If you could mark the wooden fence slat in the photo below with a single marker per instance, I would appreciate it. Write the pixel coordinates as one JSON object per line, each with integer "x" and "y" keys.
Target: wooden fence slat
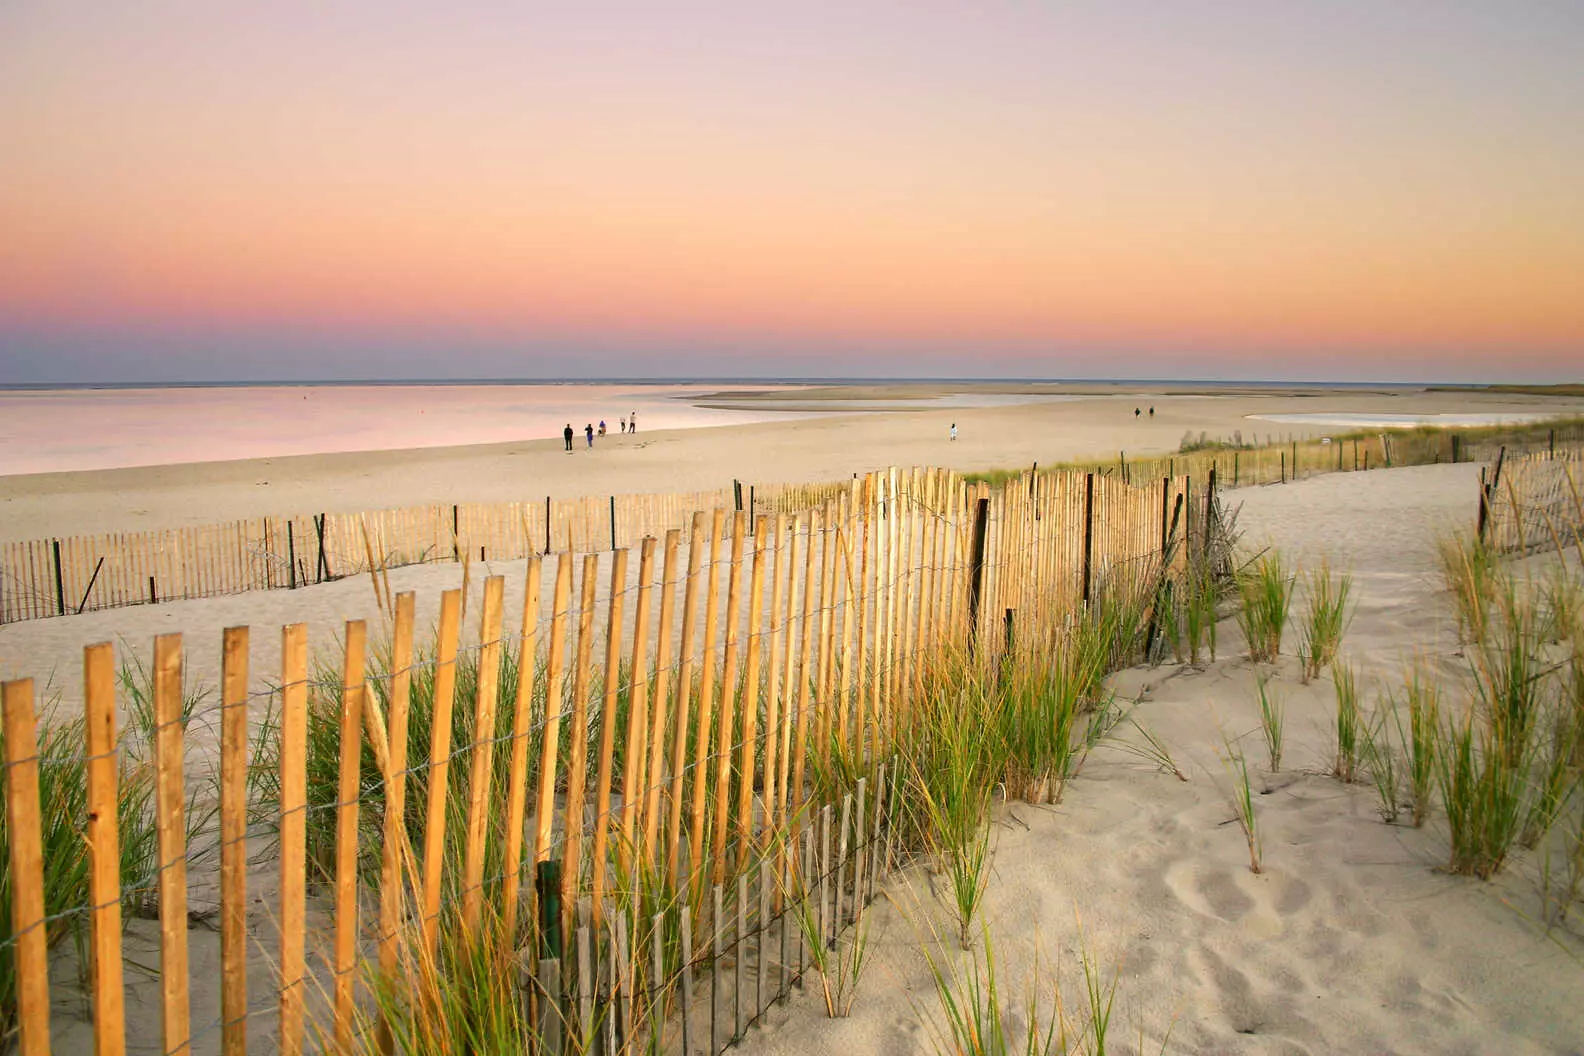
{"x": 608, "y": 723}
{"x": 396, "y": 848}
{"x": 233, "y": 841}
{"x": 522, "y": 724}
{"x": 438, "y": 777}
{"x": 346, "y": 845}
{"x": 636, "y": 756}
{"x": 657, "y": 718}
{"x": 104, "y": 850}
{"x": 171, "y": 826}
{"x": 31, "y": 945}
{"x": 577, "y": 746}
{"x": 726, "y": 724}
{"x": 555, "y": 676}
{"x": 750, "y": 696}
{"x": 293, "y": 833}
{"x": 684, "y": 693}
{"x": 703, "y": 726}
{"x": 483, "y": 749}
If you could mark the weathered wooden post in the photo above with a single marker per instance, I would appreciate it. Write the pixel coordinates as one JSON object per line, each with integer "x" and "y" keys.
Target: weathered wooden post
{"x": 976, "y": 570}
{"x": 1209, "y": 517}
{"x": 1165, "y": 505}
{"x": 60, "y": 582}
{"x": 547, "y": 524}
{"x": 548, "y": 882}
{"x": 1088, "y": 536}
{"x": 1283, "y": 455}
{"x": 456, "y": 534}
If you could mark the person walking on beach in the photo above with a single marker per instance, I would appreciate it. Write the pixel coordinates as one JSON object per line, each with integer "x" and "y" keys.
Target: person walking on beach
{"x": 602, "y": 427}
{"x": 567, "y": 433}
{"x": 954, "y": 431}
{"x": 632, "y": 422}
{"x": 624, "y": 426}
{"x": 1152, "y": 412}
{"x": 1136, "y": 412}
{"x": 588, "y": 430}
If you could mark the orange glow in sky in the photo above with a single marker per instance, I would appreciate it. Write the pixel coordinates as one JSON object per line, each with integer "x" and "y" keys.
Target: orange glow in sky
{"x": 1216, "y": 189}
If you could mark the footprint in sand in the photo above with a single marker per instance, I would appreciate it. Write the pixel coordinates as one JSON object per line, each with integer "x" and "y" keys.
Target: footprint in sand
{"x": 1213, "y": 892}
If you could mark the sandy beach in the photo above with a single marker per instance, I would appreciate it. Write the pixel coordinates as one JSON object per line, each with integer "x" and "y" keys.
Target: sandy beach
{"x": 1098, "y": 425}
{"x": 1352, "y": 940}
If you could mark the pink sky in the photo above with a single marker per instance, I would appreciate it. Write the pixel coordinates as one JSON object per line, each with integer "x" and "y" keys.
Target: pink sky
{"x": 1252, "y": 189}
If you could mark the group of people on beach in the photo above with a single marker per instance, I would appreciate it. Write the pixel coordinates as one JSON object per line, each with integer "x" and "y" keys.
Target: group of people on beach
{"x": 629, "y": 424}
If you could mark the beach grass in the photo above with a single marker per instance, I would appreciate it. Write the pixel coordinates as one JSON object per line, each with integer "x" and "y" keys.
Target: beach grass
{"x": 1470, "y": 570}
{"x": 1422, "y": 701}
{"x": 1265, "y": 589}
{"x": 1241, "y": 795}
{"x": 1345, "y": 764}
{"x": 1326, "y": 619}
{"x": 1273, "y": 721}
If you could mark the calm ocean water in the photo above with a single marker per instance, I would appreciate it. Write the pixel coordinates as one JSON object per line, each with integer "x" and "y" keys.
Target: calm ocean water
{"x": 56, "y": 430}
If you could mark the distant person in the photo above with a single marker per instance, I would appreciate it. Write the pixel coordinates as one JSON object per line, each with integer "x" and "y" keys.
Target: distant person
{"x": 1136, "y": 412}
{"x": 588, "y": 430}
{"x": 567, "y": 433}
{"x": 954, "y": 431}
{"x": 1152, "y": 412}
{"x": 602, "y": 427}
{"x": 624, "y": 425}
{"x": 632, "y": 422}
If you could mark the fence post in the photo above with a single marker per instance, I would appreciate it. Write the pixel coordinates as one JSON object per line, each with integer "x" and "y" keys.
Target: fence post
{"x": 291, "y": 553}
{"x": 1165, "y": 504}
{"x": 1088, "y": 536}
{"x": 1484, "y": 509}
{"x": 1283, "y": 455}
{"x": 737, "y": 494}
{"x": 1209, "y": 517}
{"x": 60, "y": 583}
{"x": 613, "y": 521}
{"x": 976, "y": 569}
{"x": 548, "y": 882}
{"x": 1551, "y": 444}
{"x": 456, "y": 534}
{"x": 751, "y": 505}
{"x": 1235, "y": 465}
{"x": 323, "y": 567}
{"x": 547, "y": 524}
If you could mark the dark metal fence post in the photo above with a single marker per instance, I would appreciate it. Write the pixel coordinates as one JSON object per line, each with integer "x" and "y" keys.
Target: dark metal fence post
{"x": 456, "y": 534}
{"x": 291, "y": 553}
{"x": 976, "y": 569}
{"x": 613, "y": 522}
{"x": 547, "y": 524}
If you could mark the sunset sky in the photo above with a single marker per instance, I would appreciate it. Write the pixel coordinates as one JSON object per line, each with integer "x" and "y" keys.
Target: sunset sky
{"x": 1235, "y": 189}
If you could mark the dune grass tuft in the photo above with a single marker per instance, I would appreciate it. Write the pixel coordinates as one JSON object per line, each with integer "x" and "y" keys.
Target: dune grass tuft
{"x": 1348, "y": 724}
{"x": 1273, "y": 721}
{"x": 1326, "y": 620}
{"x": 1242, "y": 798}
{"x": 1265, "y": 594}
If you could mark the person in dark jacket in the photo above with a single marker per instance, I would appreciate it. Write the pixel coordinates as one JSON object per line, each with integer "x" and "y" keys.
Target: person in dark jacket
{"x": 567, "y": 433}
{"x": 588, "y": 431}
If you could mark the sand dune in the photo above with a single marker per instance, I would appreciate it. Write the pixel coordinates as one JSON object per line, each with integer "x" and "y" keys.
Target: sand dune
{"x": 1350, "y": 941}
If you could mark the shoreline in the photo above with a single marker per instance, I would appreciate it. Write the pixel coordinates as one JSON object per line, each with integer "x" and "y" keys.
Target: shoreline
{"x": 800, "y": 450}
